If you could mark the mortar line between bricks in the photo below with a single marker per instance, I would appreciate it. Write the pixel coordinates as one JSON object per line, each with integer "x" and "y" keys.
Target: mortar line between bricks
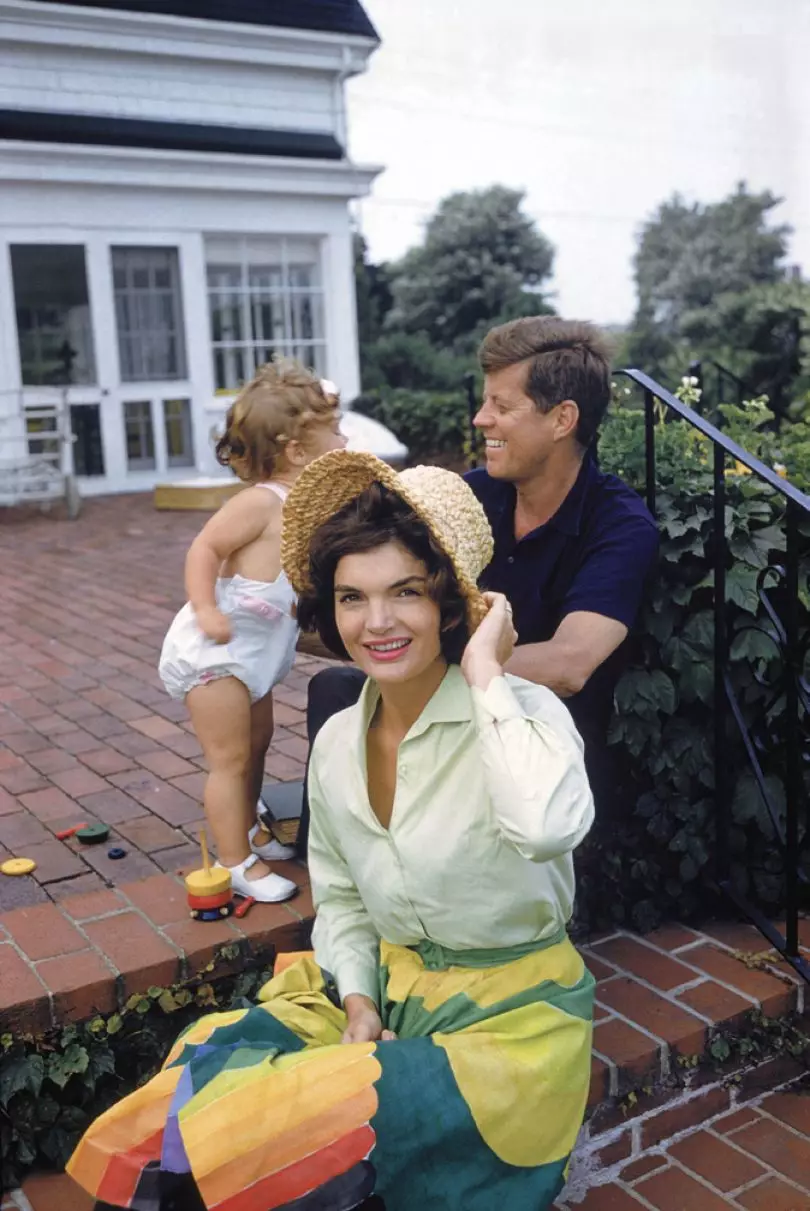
{"x": 755, "y": 1002}
{"x": 662, "y": 1044}
{"x": 613, "y": 1072}
{"x": 727, "y": 1196}
{"x": 688, "y": 986}
{"x": 772, "y": 1117}
{"x": 708, "y": 1125}
{"x": 771, "y": 970}
{"x": 636, "y": 1125}
{"x": 669, "y": 996}
{"x": 31, "y": 965}
{"x": 242, "y": 939}
{"x": 769, "y": 1173}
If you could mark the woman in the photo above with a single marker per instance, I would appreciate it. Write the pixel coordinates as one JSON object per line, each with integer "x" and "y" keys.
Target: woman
{"x": 445, "y": 807}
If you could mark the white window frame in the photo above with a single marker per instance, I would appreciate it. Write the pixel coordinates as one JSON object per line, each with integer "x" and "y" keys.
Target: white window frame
{"x": 134, "y": 296}
{"x": 311, "y": 350}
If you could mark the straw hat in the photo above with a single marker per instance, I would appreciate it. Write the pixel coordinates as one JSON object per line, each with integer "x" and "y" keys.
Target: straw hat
{"x": 442, "y": 499}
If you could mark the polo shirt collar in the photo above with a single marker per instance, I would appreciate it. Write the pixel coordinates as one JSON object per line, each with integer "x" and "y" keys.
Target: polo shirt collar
{"x": 568, "y": 518}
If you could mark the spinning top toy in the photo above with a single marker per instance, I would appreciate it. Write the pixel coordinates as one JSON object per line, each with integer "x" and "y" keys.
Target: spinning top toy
{"x": 209, "y": 889}
{"x": 88, "y": 834}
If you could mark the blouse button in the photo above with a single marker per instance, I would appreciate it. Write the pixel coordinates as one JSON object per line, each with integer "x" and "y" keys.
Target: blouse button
{"x": 511, "y": 559}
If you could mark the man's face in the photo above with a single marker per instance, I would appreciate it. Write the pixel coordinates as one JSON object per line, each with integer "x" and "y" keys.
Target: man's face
{"x": 519, "y": 437}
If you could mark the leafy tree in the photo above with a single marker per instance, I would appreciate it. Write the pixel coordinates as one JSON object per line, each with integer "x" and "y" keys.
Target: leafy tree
{"x": 373, "y": 290}
{"x": 482, "y": 260}
{"x": 711, "y": 283}
{"x": 762, "y": 335}
{"x": 409, "y": 360}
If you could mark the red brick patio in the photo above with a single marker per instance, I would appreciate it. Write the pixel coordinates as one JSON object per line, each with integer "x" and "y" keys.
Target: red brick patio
{"x": 88, "y": 734}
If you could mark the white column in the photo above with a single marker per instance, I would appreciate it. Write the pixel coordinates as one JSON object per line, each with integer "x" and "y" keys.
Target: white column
{"x": 10, "y": 378}
{"x": 105, "y": 347}
{"x": 340, "y": 310}
{"x": 200, "y": 366}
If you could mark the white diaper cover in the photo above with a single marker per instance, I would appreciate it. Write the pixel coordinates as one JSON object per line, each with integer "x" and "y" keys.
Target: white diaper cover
{"x": 261, "y": 649}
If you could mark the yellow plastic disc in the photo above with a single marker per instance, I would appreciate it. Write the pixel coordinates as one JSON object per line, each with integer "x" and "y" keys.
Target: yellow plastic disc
{"x": 18, "y": 866}
{"x": 198, "y": 883}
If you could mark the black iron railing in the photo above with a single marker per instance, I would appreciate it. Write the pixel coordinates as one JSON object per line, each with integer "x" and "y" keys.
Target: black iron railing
{"x": 718, "y": 385}
{"x": 778, "y": 589}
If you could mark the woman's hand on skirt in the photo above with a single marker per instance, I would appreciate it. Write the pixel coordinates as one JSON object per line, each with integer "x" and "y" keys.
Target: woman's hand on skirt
{"x": 365, "y": 1024}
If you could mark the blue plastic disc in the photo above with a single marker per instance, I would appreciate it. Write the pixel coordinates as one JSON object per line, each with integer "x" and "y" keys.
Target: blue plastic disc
{"x": 116, "y": 852}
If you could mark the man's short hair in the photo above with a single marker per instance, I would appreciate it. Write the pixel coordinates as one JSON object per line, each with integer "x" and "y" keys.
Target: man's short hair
{"x": 565, "y": 359}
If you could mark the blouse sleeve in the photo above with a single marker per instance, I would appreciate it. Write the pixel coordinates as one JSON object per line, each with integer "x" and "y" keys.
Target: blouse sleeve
{"x": 345, "y": 940}
{"x": 534, "y": 767}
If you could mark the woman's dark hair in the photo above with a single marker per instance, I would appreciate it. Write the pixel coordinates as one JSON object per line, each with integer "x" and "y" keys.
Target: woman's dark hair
{"x": 375, "y": 517}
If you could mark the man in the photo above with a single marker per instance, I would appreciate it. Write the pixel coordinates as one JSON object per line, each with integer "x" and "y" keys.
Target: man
{"x": 573, "y": 546}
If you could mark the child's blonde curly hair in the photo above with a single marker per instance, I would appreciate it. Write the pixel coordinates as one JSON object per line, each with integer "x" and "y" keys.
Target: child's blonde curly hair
{"x": 279, "y": 404}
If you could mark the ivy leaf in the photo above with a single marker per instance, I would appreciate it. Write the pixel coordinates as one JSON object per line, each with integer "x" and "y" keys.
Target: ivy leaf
{"x": 719, "y": 1048}
{"x": 102, "y": 1063}
{"x": 71, "y": 1062}
{"x": 21, "y": 1072}
{"x": 688, "y": 869}
{"x": 751, "y": 643}
{"x": 114, "y": 1023}
{"x": 741, "y": 589}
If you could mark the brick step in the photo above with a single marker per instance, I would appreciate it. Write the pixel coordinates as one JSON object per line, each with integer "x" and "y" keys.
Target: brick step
{"x": 88, "y": 954}
{"x": 753, "y": 1158}
{"x": 664, "y": 1003}
{"x": 667, "y": 1007}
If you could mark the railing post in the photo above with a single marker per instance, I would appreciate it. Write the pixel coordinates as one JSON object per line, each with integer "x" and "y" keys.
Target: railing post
{"x": 649, "y": 448}
{"x": 721, "y": 784}
{"x": 793, "y": 772}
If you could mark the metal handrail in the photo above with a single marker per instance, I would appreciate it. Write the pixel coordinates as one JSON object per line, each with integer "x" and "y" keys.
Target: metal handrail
{"x": 789, "y": 642}
{"x": 715, "y": 435}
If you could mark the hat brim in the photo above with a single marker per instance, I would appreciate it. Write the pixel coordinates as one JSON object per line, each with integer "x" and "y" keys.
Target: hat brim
{"x": 325, "y": 487}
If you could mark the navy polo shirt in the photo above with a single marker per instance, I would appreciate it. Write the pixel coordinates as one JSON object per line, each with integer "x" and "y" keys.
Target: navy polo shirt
{"x": 596, "y": 554}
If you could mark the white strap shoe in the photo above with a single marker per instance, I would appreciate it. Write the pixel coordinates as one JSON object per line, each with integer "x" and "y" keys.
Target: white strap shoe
{"x": 269, "y": 889}
{"x": 272, "y": 850}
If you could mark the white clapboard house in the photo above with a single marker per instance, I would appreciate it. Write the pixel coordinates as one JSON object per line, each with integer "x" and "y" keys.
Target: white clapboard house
{"x": 174, "y": 208}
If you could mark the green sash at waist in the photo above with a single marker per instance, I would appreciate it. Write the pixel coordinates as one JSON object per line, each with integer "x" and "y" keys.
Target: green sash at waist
{"x": 439, "y": 958}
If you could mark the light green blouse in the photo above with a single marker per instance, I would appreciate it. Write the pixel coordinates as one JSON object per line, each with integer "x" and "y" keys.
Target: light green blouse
{"x": 491, "y": 798}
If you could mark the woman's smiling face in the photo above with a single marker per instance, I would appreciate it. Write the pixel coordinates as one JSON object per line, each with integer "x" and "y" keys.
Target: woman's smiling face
{"x": 389, "y": 624}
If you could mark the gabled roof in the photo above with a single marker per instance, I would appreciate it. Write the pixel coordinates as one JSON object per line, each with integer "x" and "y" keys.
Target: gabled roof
{"x": 332, "y": 16}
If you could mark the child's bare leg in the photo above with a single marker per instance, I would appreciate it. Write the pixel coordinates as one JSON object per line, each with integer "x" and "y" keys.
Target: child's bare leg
{"x": 221, "y": 714}
{"x": 261, "y": 733}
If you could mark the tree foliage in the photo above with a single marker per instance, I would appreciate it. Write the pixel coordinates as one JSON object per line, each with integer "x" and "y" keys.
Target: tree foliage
{"x": 712, "y": 284}
{"x": 482, "y": 260}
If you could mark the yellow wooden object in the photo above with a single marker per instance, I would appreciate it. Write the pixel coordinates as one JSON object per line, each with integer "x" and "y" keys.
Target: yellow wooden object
{"x": 18, "y": 866}
{"x": 205, "y": 495}
{"x": 209, "y": 881}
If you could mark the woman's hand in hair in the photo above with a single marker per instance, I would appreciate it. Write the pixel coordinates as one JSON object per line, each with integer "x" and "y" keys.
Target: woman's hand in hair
{"x": 491, "y": 645}
{"x": 364, "y": 1022}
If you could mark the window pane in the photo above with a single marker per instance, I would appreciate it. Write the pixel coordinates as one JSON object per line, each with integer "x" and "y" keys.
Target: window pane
{"x": 264, "y": 299}
{"x": 149, "y": 311}
{"x": 140, "y": 436}
{"x": 88, "y": 450}
{"x": 226, "y": 317}
{"x": 177, "y": 420}
{"x": 311, "y": 356}
{"x": 53, "y": 314}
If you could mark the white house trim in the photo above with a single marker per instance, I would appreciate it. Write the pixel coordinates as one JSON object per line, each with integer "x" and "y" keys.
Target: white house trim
{"x": 131, "y": 33}
{"x": 130, "y": 167}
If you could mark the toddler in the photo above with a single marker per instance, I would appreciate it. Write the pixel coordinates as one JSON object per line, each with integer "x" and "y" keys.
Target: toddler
{"x": 235, "y": 638}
